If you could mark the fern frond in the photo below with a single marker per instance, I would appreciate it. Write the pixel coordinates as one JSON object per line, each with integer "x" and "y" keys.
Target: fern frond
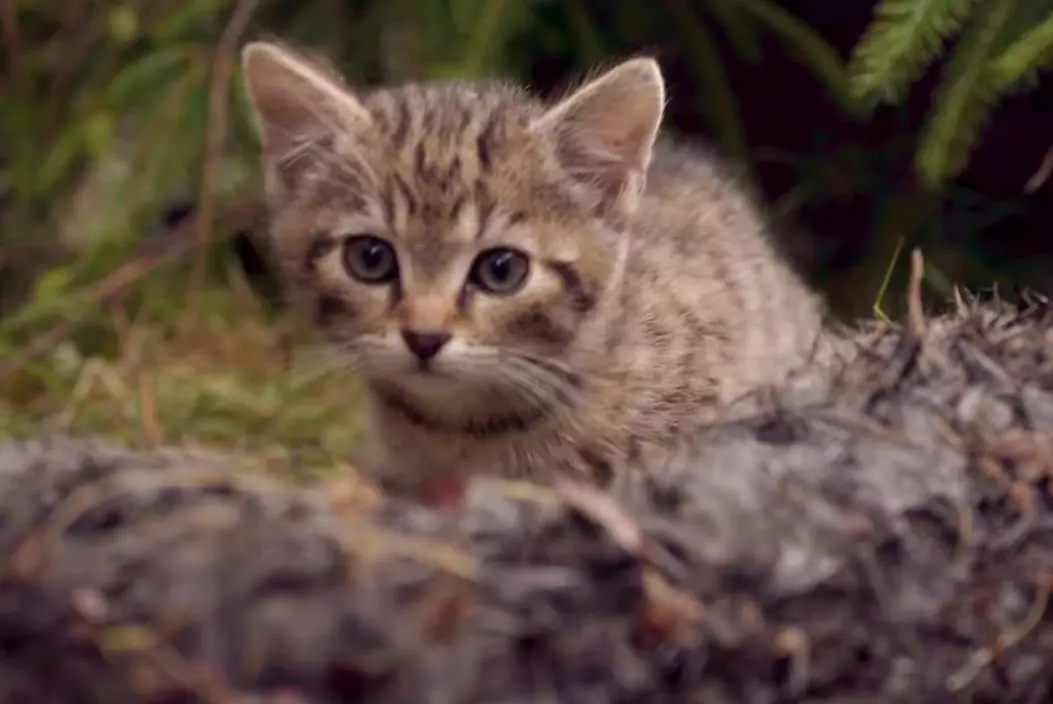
{"x": 1026, "y": 15}
{"x": 964, "y": 97}
{"x": 1024, "y": 59}
{"x": 903, "y": 38}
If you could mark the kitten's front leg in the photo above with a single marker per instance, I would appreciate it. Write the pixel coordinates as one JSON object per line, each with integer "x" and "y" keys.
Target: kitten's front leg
{"x": 405, "y": 468}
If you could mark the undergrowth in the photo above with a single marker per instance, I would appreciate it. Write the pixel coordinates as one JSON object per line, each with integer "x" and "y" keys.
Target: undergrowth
{"x": 230, "y": 378}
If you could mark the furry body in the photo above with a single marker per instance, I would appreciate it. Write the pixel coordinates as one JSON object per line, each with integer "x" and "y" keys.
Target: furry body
{"x": 651, "y": 294}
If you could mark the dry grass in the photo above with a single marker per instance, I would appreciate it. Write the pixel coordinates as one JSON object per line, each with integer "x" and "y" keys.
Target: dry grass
{"x": 228, "y": 379}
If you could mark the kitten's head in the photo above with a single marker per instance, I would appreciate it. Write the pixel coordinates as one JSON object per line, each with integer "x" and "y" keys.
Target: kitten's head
{"x": 453, "y": 239}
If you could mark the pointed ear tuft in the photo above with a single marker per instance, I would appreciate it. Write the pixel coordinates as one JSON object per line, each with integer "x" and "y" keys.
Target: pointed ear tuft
{"x": 294, "y": 102}
{"x": 604, "y": 132}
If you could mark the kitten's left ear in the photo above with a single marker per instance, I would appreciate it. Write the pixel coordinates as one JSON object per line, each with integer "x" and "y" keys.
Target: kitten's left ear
{"x": 293, "y": 101}
{"x": 604, "y": 132}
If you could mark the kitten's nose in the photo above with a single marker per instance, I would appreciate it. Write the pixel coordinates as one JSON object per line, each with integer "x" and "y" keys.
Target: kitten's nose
{"x": 425, "y": 344}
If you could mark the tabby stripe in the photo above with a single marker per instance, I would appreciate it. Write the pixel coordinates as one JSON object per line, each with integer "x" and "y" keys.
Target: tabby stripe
{"x": 321, "y": 244}
{"x": 584, "y": 300}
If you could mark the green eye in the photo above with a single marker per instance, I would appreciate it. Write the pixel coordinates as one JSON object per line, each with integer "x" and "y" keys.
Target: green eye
{"x": 500, "y": 270}
{"x": 370, "y": 259}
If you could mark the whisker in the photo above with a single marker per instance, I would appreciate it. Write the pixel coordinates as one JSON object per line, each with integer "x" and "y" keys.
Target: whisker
{"x": 557, "y": 371}
{"x": 546, "y": 382}
{"x": 539, "y": 382}
{"x": 495, "y": 370}
{"x": 525, "y": 388}
{"x": 314, "y": 361}
{"x": 560, "y": 369}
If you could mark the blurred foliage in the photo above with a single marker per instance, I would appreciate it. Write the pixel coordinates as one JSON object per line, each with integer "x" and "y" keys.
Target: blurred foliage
{"x": 110, "y": 115}
{"x": 1001, "y": 46}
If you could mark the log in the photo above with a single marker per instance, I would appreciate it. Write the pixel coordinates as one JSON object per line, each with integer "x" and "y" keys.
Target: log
{"x": 874, "y": 531}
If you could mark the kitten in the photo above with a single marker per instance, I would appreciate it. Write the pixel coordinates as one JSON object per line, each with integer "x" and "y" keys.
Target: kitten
{"x": 528, "y": 289}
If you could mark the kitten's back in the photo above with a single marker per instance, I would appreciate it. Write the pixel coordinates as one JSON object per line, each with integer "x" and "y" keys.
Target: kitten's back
{"x": 702, "y": 241}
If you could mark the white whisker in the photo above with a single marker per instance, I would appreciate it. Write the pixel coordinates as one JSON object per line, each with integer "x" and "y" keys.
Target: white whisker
{"x": 540, "y": 380}
{"x": 315, "y": 361}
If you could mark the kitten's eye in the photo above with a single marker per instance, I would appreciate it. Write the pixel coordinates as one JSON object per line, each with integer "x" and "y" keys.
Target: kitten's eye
{"x": 370, "y": 259}
{"x": 500, "y": 270}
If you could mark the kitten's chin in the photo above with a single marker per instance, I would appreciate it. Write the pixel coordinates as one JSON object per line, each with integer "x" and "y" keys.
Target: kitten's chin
{"x": 428, "y": 384}
{"x": 449, "y": 395}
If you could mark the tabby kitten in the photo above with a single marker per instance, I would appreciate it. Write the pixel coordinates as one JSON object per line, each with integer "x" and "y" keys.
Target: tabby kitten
{"x": 528, "y": 289}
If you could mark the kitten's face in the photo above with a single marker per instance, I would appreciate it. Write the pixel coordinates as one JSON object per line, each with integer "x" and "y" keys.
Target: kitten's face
{"x": 452, "y": 241}
{"x": 443, "y": 261}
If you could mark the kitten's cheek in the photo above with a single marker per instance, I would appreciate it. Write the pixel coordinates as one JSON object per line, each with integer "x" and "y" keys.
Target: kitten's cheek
{"x": 545, "y": 327}
{"x": 330, "y": 311}
{"x": 387, "y": 359}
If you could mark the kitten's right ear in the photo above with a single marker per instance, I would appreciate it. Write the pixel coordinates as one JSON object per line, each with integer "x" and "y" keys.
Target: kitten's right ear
{"x": 604, "y": 132}
{"x": 294, "y": 102}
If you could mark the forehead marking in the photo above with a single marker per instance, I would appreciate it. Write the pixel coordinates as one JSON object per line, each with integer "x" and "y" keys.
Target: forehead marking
{"x": 441, "y": 143}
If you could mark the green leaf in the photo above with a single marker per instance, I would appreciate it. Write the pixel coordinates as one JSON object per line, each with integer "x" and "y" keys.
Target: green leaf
{"x": 123, "y": 24}
{"x": 149, "y": 72}
{"x": 98, "y": 134}
{"x": 963, "y": 99}
{"x": 1025, "y": 57}
{"x": 903, "y": 38}
{"x": 65, "y": 153}
{"x": 53, "y": 284}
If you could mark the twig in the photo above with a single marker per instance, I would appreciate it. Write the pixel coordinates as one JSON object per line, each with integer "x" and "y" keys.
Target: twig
{"x": 983, "y": 657}
{"x": 214, "y": 138}
{"x": 148, "y": 417}
{"x": 1042, "y": 175}
{"x": 915, "y": 315}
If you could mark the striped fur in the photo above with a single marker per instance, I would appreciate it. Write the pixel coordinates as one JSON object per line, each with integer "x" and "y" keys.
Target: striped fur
{"x": 653, "y": 294}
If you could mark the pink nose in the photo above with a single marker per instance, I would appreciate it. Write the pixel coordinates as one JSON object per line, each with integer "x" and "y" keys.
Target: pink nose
{"x": 425, "y": 344}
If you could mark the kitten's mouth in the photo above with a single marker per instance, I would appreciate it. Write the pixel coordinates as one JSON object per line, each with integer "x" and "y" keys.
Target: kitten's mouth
{"x": 424, "y": 367}
{"x": 431, "y": 380}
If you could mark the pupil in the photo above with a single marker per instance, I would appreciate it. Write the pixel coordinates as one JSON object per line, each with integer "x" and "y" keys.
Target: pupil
{"x": 499, "y": 267}
{"x": 372, "y": 256}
